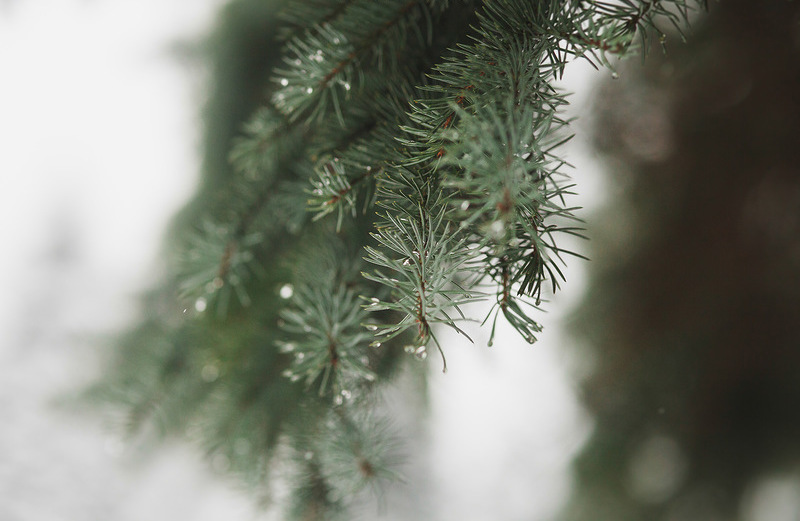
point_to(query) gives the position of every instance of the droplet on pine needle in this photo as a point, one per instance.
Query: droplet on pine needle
(286, 291)
(497, 228)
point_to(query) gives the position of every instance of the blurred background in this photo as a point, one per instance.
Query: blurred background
(99, 130)
(666, 385)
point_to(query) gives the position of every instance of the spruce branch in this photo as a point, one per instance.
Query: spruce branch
(433, 130)
(324, 65)
(326, 338)
(334, 191)
(311, 15)
(424, 256)
(361, 452)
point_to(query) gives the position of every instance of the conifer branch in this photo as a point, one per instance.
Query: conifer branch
(442, 123)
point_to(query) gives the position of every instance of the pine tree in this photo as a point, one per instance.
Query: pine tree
(399, 161)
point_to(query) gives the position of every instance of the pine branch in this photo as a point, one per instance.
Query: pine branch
(322, 66)
(432, 129)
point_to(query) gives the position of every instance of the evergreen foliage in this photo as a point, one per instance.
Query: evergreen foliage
(401, 163)
(694, 315)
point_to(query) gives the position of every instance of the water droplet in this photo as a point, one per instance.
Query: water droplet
(497, 228)
(299, 356)
(309, 90)
(308, 455)
(374, 300)
(346, 394)
(614, 75)
(284, 82)
(287, 347)
(409, 348)
(294, 377)
(209, 373)
(370, 377)
(464, 206)
(185, 311)
(375, 344)
(406, 262)
(346, 86)
(369, 168)
(421, 353)
(338, 400)
(297, 62)
(200, 305)
(287, 373)
(372, 327)
(286, 291)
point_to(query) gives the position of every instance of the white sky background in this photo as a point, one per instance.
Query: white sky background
(98, 148)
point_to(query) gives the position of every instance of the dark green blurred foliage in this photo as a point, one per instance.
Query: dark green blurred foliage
(693, 315)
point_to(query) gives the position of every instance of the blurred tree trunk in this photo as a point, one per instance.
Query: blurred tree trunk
(693, 315)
